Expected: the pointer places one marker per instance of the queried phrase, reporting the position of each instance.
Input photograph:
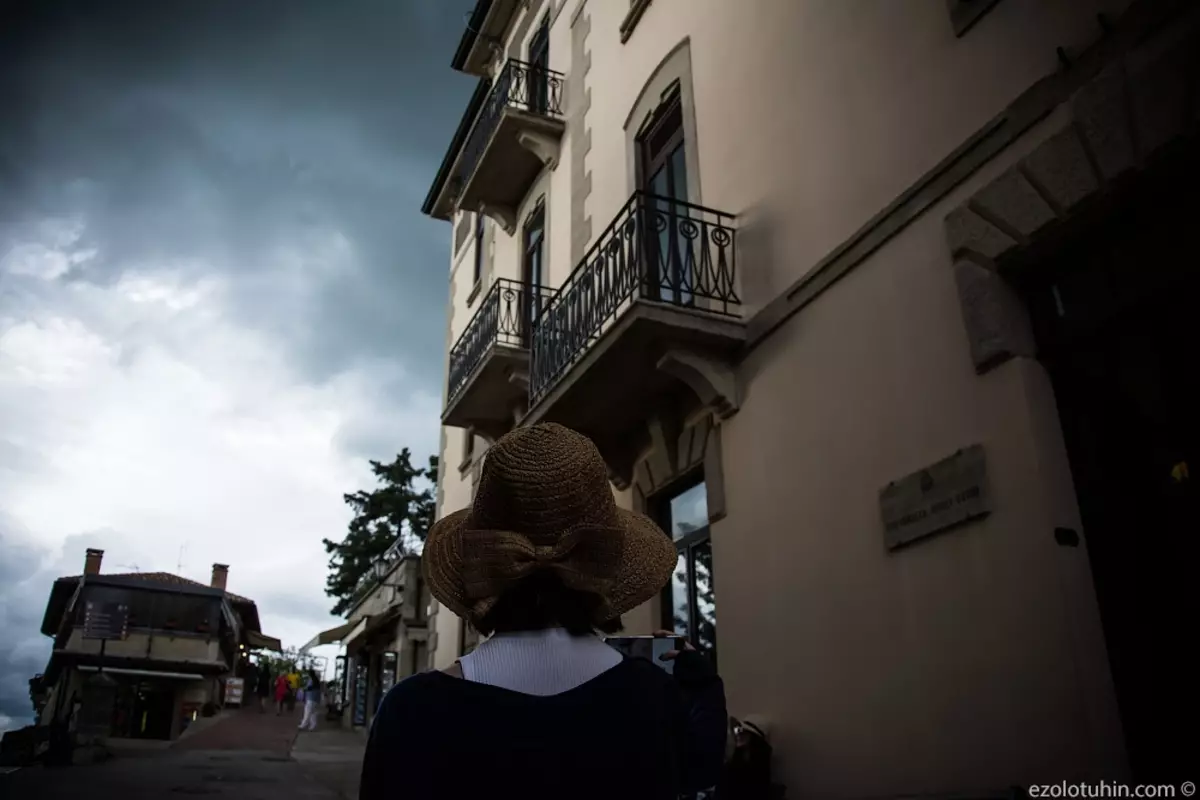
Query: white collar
(540, 663)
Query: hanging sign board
(105, 620)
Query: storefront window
(388, 679)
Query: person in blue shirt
(311, 695)
(543, 563)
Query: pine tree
(394, 513)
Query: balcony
(517, 133)
(489, 364)
(652, 308)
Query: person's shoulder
(415, 691)
(638, 673)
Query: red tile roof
(163, 578)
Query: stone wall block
(1102, 112)
(1013, 201)
(1062, 169)
(969, 233)
(996, 321)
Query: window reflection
(706, 600)
(690, 604)
(689, 510)
(679, 598)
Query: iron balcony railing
(528, 87)
(505, 317)
(657, 249)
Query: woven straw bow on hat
(544, 502)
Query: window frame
(666, 120)
(531, 306)
(479, 234)
(537, 55)
(685, 545)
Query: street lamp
(382, 568)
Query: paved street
(243, 755)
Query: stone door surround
(1129, 116)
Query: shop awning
(329, 637)
(259, 641)
(358, 630)
(370, 625)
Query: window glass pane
(678, 170)
(682, 254)
(706, 599)
(681, 622)
(689, 510)
(659, 183)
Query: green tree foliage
(284, 662)
(396, 512)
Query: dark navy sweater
(631, 732)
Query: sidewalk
(245, 729)
(332, 755)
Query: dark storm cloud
(25, 651)
(27, 573)
(208, 135)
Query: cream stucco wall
(969, 661)
(454, 494)
(811, 116)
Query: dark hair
(541, 601)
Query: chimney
(91, 561)
(220, 575)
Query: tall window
(663, 170)
(690, 604)
(478, 248)
(533, 240)
(468, 450)
(539, 66)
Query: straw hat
(544, 502)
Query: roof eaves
(456, 144)
(478, 15)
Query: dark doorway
(539, 68)
(144, 710)
(1116, 316)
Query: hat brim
(648, 560)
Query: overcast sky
(218, 296)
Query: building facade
(140, 655)
(880, 309)
(385, 635)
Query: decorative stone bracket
(676, 451)
(713, 381)
(545, 147)
(1120, 120)
(505, 217)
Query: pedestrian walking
(543, 562)
(312, 701)
(293, 687)
(281, 692)
(262, 688)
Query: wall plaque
(939, 497)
